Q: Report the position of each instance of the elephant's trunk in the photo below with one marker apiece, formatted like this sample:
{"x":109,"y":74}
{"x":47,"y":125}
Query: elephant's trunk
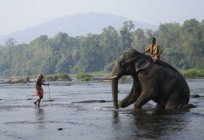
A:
{"x":115,"y":92}
{"x":116,"y":74}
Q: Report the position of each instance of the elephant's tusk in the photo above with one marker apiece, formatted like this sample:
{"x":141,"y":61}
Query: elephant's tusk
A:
{"x":107,"y":78}
{"x":114,"y":77}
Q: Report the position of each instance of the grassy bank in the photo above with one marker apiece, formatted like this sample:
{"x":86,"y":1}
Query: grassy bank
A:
{"x":83,"y":76}
{"x":55,"y":77}
{"x":190,"y":74}
{"x":193,"y":73}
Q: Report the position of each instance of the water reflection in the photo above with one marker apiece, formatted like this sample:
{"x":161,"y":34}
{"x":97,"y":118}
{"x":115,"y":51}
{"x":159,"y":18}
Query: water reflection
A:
{"x":40,"y":116}
{"x":116,"y":119}
{"x":149,"y":124}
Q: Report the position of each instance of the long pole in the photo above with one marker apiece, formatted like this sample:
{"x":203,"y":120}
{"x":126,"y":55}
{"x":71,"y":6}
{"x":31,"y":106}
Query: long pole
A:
{"x":49,"y":94}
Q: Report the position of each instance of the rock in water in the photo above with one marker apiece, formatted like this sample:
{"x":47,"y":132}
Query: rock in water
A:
{"x":60,"y":129}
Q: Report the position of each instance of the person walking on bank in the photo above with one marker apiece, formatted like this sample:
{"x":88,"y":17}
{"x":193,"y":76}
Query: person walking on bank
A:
{"x":154,"y":50}
{"x":39,"y":89}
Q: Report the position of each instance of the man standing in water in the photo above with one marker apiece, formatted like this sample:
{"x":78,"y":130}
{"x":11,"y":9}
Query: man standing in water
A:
{"x":39,"y":89}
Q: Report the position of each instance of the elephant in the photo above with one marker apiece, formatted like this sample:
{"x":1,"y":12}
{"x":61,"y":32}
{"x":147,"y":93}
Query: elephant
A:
{"x":157,"y":81}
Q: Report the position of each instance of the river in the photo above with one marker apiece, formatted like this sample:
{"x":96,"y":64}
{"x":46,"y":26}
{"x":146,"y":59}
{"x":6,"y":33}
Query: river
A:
{"x":83,"y":111}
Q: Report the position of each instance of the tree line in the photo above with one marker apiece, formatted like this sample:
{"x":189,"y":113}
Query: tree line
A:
{"x":182,"y":46}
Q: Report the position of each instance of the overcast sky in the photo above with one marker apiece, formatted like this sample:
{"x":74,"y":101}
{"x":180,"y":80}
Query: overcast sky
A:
{"x":20,"y":14}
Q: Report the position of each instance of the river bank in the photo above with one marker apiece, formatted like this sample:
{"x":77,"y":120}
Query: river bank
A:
{"x":93,"y":76}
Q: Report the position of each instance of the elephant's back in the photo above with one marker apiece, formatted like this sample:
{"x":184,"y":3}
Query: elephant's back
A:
{"x":173,"y":72}
{"x":166,"y":65}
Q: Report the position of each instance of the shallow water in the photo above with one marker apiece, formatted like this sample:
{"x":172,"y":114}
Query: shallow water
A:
{"x":84,"y":111}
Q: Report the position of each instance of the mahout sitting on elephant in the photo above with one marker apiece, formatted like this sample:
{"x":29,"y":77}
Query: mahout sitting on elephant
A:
{"x":157,"y":81}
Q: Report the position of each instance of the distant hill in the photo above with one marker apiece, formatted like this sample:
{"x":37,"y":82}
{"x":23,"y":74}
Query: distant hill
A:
{"x":75,"y":25}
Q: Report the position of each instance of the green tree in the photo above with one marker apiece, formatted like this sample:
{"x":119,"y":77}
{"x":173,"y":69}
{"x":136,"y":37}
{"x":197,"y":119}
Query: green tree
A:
{"x":193,"y":42}
{"x":139,"y":40}
{"x":90,"y":59}
{"x":110,"y":46}
{"x":126,"y":31}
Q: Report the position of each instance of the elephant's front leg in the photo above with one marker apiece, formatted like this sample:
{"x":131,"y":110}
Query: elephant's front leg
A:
{"x":131,"y":97}
{"x":142,"y":99}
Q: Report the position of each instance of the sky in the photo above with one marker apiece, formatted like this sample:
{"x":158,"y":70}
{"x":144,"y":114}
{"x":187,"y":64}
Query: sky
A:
{"x":16,"y":15}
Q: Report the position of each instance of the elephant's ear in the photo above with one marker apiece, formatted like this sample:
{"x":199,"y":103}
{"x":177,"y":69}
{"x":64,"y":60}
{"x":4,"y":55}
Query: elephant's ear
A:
{"x":141,"y":63}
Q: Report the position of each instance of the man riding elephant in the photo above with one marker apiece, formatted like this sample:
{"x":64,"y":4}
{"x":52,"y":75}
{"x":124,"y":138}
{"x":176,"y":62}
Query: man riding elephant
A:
{"x":154,"y":50}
